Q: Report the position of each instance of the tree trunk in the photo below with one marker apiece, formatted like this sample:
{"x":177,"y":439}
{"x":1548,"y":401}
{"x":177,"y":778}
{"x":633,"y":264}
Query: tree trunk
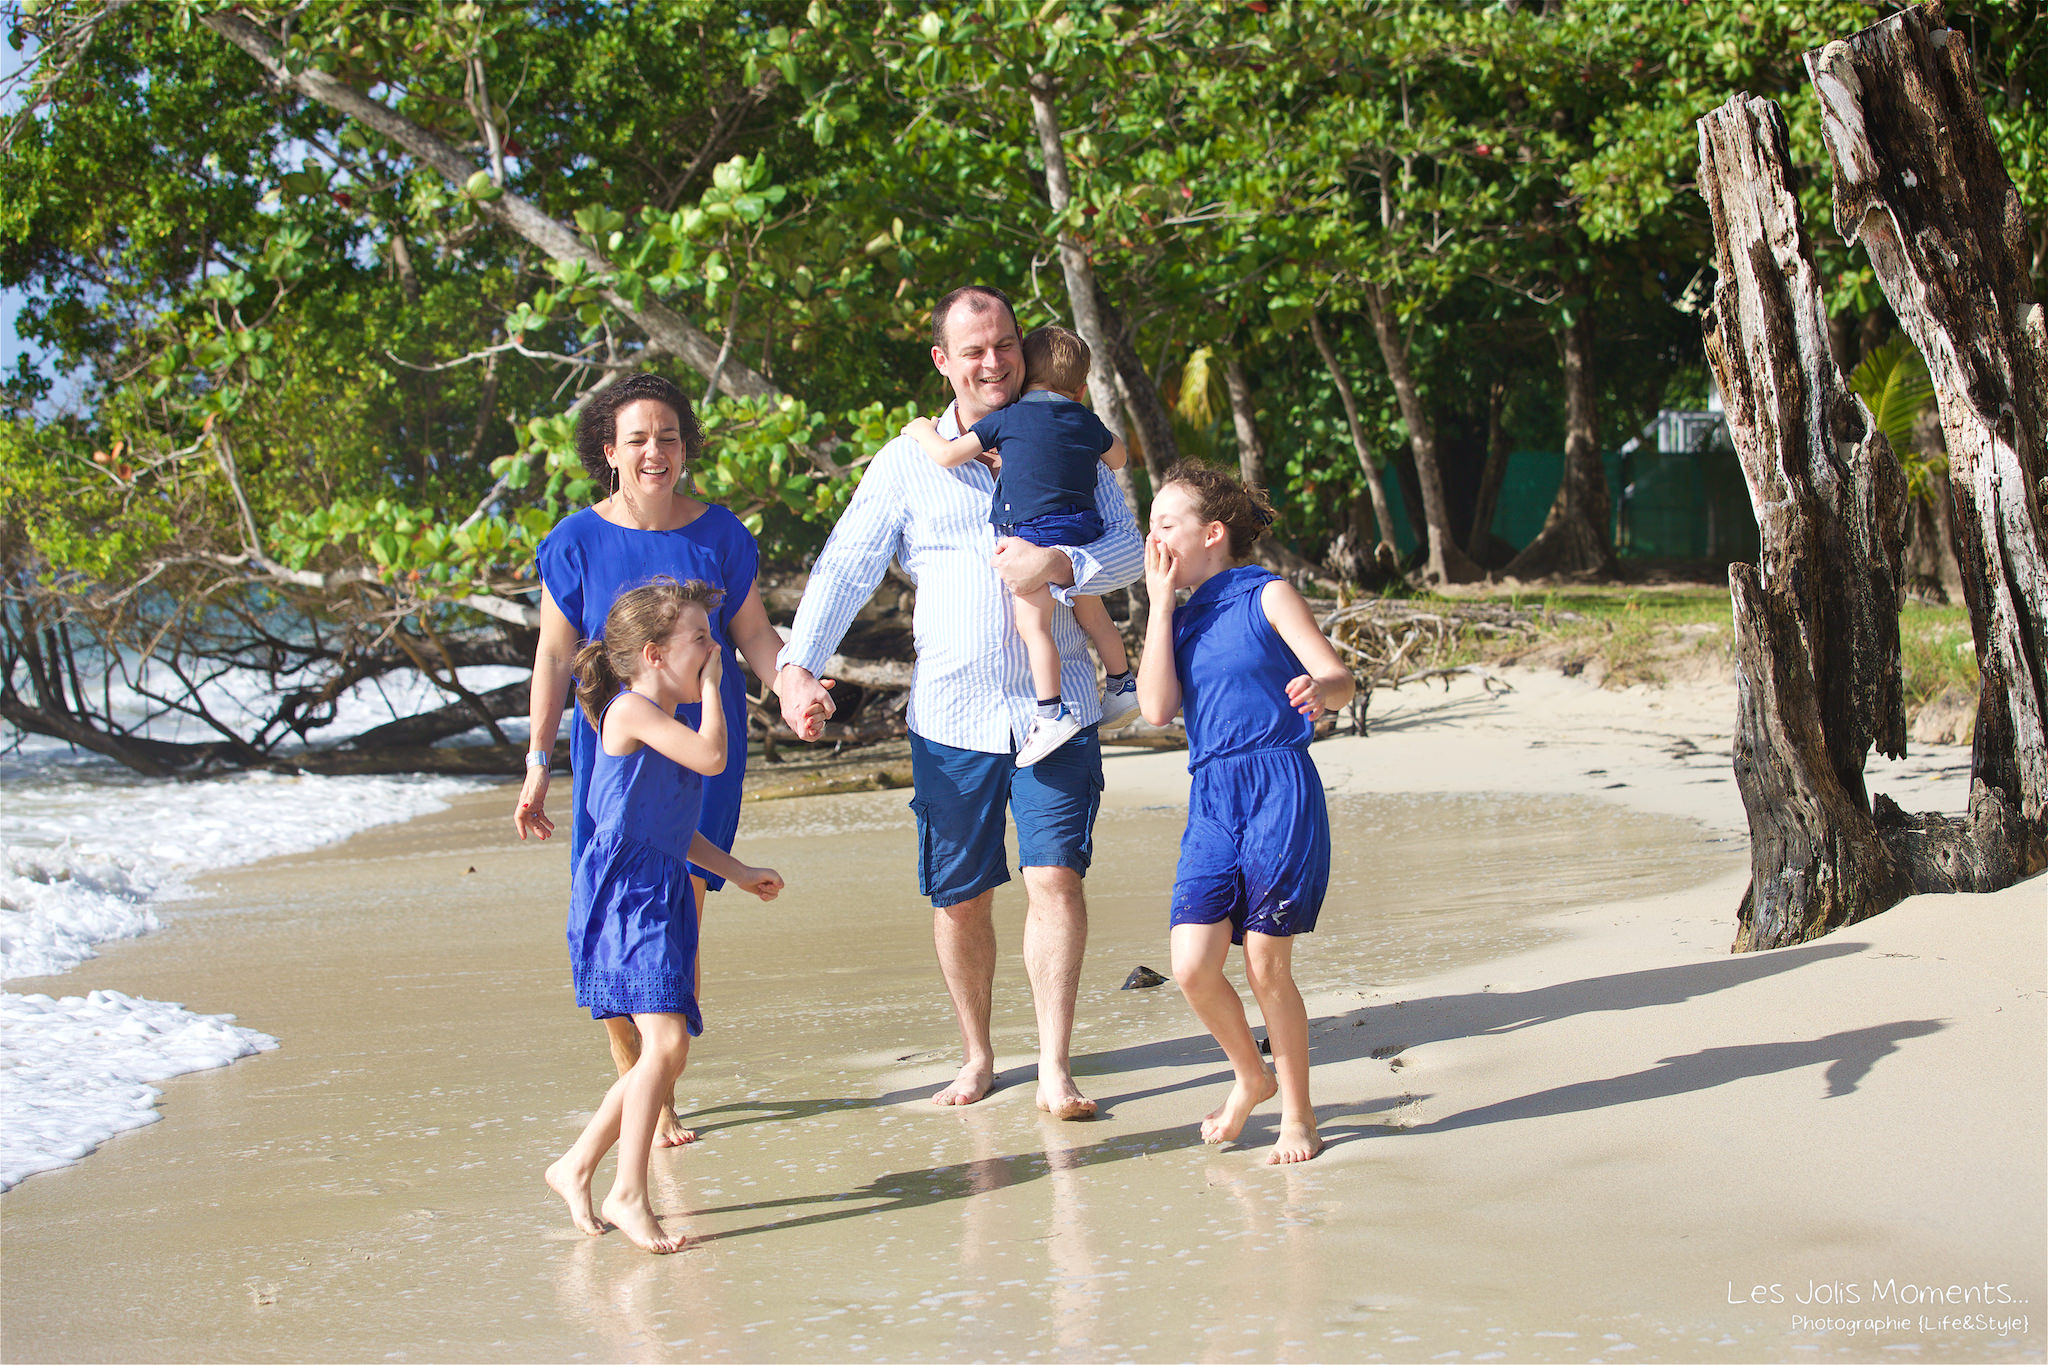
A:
{"x":1575,"y":537}
{"x":1080,"y":277}
{"x":1251,"y":453}
{"x":1382,"y":514}
{"x":1492,"y":474}
{"x":1148,"y":411}
{"x":1816,"y":620}
{"x":1447,"y":563}
{"x":1918,"y":180}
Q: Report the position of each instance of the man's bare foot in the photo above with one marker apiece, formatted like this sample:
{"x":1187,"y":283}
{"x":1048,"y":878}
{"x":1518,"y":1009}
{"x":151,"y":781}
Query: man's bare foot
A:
{"x":971,"y":1086}
{"x":1298,"y":1142}
{"x":575,"y":1192}
{"x":1226,"y":1121}
{"x":669,"y":1133}
{"x":1064,"y":1101}
{"x":638,"y":1222}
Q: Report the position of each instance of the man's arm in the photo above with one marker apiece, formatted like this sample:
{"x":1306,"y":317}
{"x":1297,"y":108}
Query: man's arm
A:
{"x":845,"y":576}
{"x":1114,"y":561}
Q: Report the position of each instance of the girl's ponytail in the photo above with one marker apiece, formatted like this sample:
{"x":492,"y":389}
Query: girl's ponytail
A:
{"x":597,"y":682}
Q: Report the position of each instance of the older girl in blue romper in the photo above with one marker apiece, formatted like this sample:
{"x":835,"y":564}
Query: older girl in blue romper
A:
{"x":1246,"y":661}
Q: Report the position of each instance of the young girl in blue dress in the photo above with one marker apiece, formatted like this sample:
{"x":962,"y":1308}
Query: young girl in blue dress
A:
{"x":1246,"y":661}
{"x":632,"y":914}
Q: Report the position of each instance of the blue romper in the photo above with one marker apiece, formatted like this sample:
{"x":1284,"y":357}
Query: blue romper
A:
{"x":1257,"y":847}
{"x":1045,"y":491}
{"x":632,"y":921}
{"x":586,"y":562}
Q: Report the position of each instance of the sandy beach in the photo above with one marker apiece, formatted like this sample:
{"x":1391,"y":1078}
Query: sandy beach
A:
{"x":1564,"y":1123}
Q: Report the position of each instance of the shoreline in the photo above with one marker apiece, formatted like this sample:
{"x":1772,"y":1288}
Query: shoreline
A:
{"x":1582,"y":1150}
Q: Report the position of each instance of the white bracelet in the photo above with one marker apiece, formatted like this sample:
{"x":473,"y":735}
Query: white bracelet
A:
{"x":537,"y":758}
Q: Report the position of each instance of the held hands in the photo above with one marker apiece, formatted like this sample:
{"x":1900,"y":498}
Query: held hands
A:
{"x":530,"y":815}
{"x":806,"y":702}
{"x":1306,"y":696}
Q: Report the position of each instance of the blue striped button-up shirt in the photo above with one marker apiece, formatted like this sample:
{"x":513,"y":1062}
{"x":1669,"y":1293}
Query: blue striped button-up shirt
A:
{"x":972,"y":688}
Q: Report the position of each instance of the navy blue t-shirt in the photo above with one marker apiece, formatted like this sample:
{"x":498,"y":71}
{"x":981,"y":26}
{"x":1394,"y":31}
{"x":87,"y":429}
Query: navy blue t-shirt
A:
{"x":1050,"y":445}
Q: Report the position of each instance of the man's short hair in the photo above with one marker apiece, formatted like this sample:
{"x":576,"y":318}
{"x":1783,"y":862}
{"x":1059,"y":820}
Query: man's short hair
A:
{"x":1054,"y":358}
{"x":976,"y":298}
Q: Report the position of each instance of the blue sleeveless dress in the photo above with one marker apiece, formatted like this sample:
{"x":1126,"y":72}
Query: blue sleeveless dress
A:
{"x":632,"y":921}
{"x":586,"y":562}
{"x":1257,"y":846}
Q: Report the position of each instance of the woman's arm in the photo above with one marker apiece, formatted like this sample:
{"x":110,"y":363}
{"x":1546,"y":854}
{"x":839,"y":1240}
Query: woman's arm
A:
{"x":753,"y":635}
{"x":1158,"y":680}
{"x":544,"y":713}
{"x":945,"y":454}
{"x":1328,"y":685}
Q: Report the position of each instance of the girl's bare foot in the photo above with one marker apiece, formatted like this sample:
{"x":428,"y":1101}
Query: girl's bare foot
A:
{"x":670,"y":1133}
{"x":638,"y":1222}
{"x":575,"y":1192}
{"x":1226,"y":1121}
{"x":1298,"y":1142}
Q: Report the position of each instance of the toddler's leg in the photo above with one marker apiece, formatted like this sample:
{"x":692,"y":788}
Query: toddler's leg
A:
{"x":624,"y":1037}
{"x":1269,"y":963}
{"x":664,"y":1047}
{"x":1109,"y":643}
{"x":1199,"y":951}
{"x":1034,"y":624}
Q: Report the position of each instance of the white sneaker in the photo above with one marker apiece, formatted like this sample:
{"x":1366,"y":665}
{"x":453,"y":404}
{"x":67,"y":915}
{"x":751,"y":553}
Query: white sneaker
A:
{"x":1119,"y":708}
{"x":1046,"y":736}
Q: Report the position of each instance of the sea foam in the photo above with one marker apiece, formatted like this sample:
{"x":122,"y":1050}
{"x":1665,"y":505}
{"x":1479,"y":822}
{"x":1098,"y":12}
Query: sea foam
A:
{"x":87,"y":853}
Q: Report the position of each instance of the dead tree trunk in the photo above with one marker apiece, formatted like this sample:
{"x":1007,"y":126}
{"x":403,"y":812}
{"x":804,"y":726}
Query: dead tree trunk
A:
{"x":1816,"y":620}
{"x":1918,"y":180}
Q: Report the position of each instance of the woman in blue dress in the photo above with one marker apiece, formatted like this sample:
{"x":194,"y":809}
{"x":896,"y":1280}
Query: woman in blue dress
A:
{"x":1245,"y":658}
{"x":636,"y":438}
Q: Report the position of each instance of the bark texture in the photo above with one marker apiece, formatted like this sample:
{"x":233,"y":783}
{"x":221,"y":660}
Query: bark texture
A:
{"x":1816,"y":620}
{"x":1918,"y":180}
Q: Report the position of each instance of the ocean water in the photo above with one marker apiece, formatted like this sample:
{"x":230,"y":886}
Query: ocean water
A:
{"x":89,"y":851}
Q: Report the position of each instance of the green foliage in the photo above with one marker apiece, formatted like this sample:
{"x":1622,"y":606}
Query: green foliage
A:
{"x":1894,"y":384}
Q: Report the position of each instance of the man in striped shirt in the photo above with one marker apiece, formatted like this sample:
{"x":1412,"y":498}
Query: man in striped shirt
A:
{"x":972,"y":700}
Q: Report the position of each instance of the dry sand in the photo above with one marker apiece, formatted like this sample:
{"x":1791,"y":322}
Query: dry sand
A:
{"x":1564,"y":1122}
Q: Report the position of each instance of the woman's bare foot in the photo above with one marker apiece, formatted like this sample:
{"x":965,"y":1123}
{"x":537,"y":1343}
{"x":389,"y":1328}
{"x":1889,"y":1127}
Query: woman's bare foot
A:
{"x":1064,"y":1101}
{"x":670,"y":1133}
{"x":971,"y":1086}
{"x":575,"y":1192}
{"x":638,"y":1222}
{"x":1298,"y":1142}
{"x":1226,"y":1121}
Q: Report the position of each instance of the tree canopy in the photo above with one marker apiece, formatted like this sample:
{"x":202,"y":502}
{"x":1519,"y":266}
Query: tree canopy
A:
{"x":335,"y":277}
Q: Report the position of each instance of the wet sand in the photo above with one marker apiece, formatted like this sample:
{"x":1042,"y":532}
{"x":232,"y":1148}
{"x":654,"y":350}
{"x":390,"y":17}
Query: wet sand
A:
{"x":1564,"y":1123}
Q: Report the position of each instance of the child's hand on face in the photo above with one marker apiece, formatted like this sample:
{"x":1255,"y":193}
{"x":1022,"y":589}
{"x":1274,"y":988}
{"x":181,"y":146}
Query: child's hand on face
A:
{"x":1305,"y":697}
{"x":714,"y":669}
{"x":764,"y":882}
{"x":1160,"y":563}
